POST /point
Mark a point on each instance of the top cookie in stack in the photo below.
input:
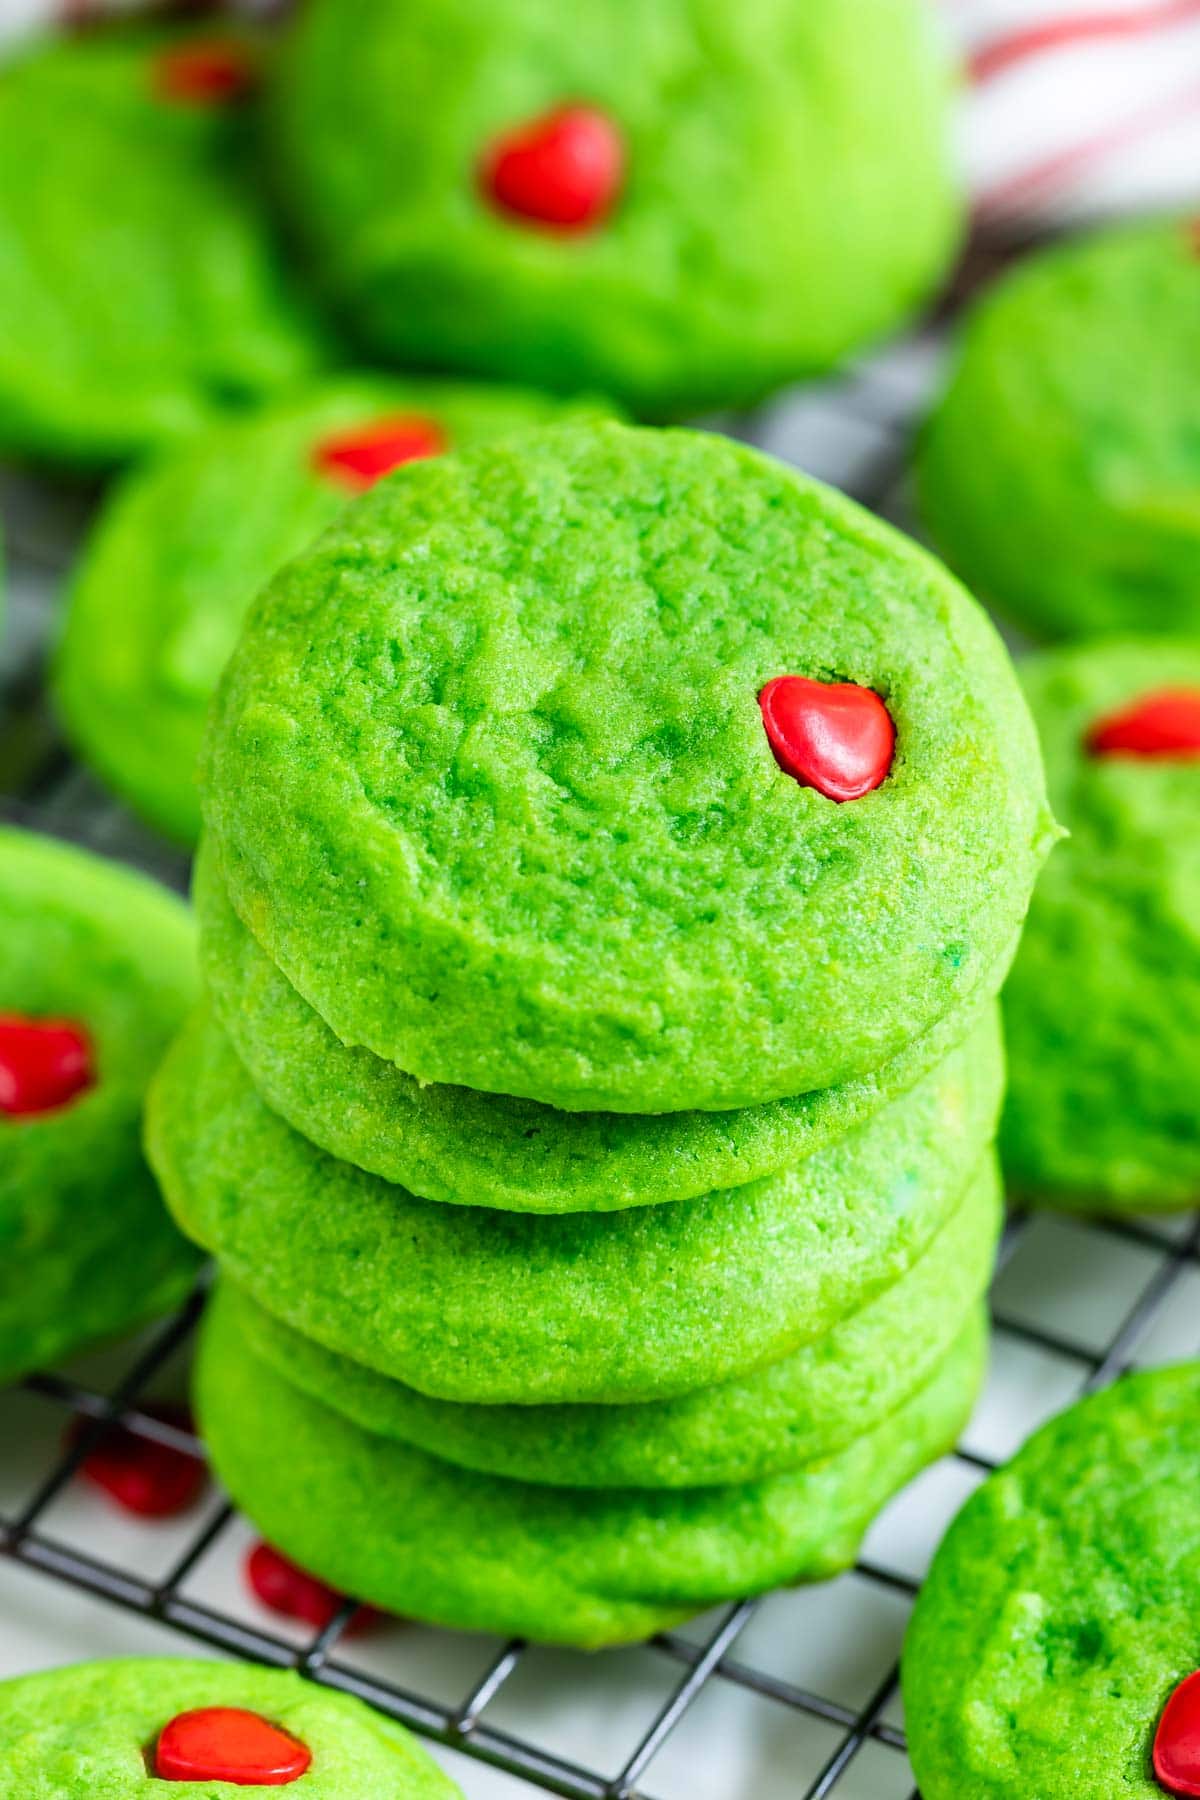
(488, 780)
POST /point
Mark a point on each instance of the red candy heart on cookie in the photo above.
(830, 735)
(360, 458)
(44, 1064)
(149, 1479)
(295, 1594)
(1163, 724)
(226, 1743)
(210, 74)
(1177, 1740)
(563, 170)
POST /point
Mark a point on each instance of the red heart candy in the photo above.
(295, 1594)
(210, 74)
(44, 1064)
(1177, 1740)
(563, 170)
(1162, 724)
(830, 735)
(360, 458)
(146, 1478)
(226, 1743)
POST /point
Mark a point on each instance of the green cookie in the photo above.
(1103, 1007)
(492, 752)
(417, 1536)
(87, 1733)
(184, 545)
(87, 1249)
(786, 191)
(139, 294)
(467, 1148)
(472, 1304)
(810, 1405)
(1061, 472)
(1060, 1612)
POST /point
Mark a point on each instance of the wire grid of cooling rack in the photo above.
(853, 431)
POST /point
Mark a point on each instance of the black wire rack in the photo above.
(853, 431)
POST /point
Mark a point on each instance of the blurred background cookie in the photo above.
(680, 208)
(183, 546)
(1060, 472)
(96, 972)
(1102, 1009)
(140, 291)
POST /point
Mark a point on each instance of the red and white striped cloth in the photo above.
(1079, 108)
(1074, 108)
(20, 18)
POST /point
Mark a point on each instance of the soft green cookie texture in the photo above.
(492, 752)
(808, 1406)
(473, 1304)
(1060, 1611)
(788, 192)
(417, 1536)
(1061, 472)
(81, 1733)
(139, 292)
(467, 1148)
(87, 1248)
(183, 546)
(1102, 1010)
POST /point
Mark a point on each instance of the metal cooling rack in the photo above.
(1064, 1339)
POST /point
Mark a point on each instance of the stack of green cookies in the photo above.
(614, 844)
